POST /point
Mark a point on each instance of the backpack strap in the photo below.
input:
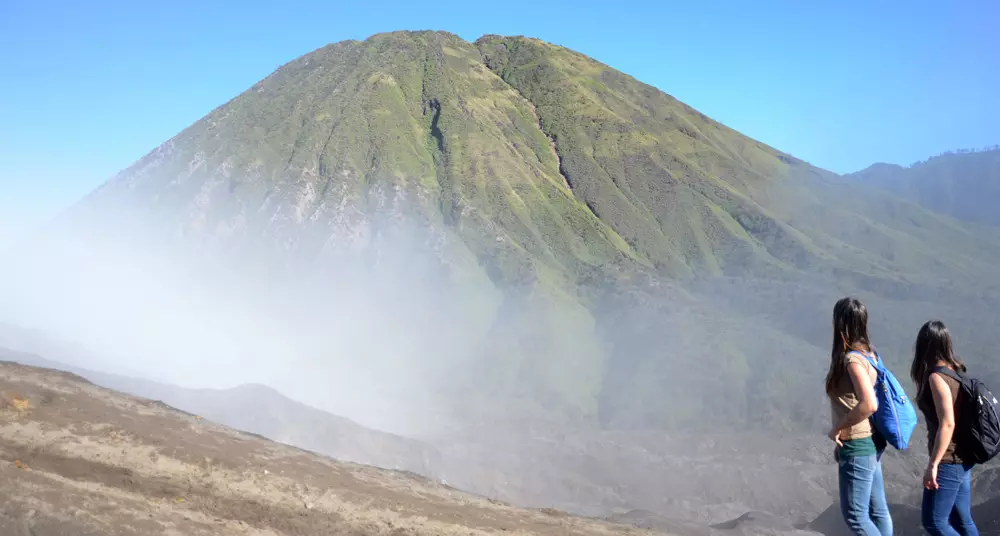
(950, 373)
(873, 362)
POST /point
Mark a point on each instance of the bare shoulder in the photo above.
(857, 359)
(860, 370)
(938, 382)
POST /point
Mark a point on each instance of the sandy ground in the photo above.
(77, 459)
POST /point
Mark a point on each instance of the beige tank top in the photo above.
(843, 399)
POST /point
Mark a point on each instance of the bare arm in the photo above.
(864, 389)
(944, 405)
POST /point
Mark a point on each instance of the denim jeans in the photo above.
(862, 496)
(947, 510)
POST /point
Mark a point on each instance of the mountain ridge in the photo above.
(959, 184)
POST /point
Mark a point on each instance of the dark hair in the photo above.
(850, 332)
(933, 345)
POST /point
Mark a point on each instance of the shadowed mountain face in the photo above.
(964, 185)
(420, 232)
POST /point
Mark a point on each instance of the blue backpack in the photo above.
(895, 417)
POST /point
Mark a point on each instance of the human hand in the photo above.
(834, 436)
(930, 477)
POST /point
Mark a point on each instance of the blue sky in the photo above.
(86, 88)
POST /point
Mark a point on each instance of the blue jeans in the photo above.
(947, 511)
(862, 496)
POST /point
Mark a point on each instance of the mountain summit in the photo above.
(529, 157)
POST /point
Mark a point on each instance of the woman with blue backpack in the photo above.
(850, 385)
(947, 501)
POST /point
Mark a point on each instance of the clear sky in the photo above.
(86, 88)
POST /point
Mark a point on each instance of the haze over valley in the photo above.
(518, 272)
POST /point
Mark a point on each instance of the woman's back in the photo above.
(946, 508)
(925, 401)
(850, 383)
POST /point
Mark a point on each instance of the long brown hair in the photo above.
(850, 332)
(933, 345)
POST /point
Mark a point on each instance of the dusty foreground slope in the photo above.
(82, 460)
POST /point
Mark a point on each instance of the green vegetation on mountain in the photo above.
(677, 186)
(645, 265)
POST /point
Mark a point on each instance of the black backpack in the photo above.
(977, 433)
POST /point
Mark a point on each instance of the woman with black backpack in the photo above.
(947, 502)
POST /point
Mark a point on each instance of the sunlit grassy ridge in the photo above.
(642, 161)
(696, 197)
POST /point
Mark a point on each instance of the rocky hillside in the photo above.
(262, 410)
(580, 471)
(83, 460)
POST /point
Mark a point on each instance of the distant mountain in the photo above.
(963, 185)
(503, 230)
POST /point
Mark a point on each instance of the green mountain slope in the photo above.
(540, 160)
(697, 197)
(575, 239)
(408, 126)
